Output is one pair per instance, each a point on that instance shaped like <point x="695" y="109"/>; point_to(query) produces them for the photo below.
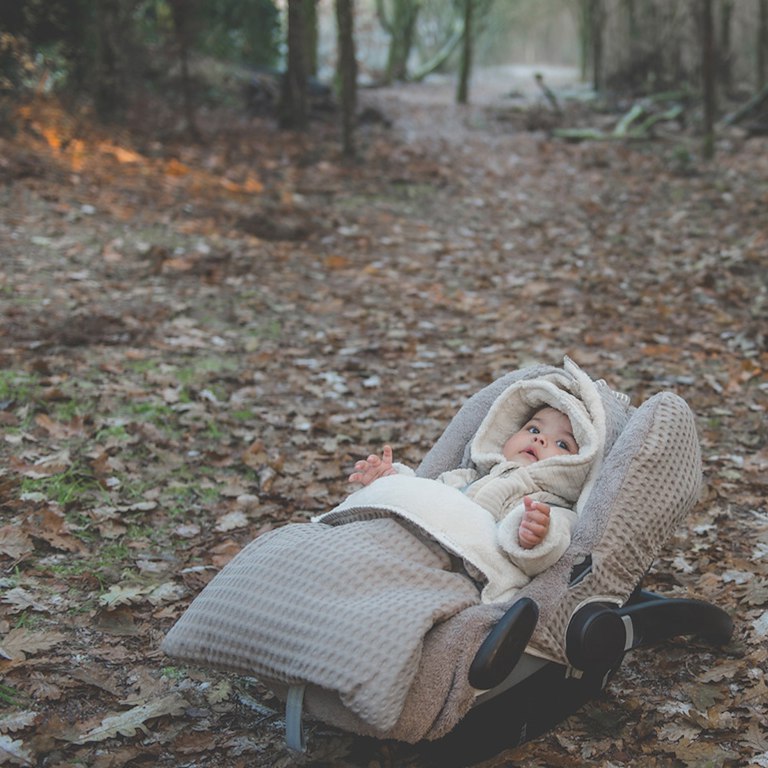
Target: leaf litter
<point x="218" y="346"/>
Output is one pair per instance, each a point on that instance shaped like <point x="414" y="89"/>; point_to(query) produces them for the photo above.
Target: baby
<point x="547" y="433"/>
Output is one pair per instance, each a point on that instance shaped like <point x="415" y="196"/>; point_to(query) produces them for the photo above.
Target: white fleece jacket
<point x="481" y="522"/>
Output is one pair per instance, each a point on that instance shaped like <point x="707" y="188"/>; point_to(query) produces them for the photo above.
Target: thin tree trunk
<point x="182" y="13"/>
<point x="597" y="17"/>
<point x="585" y="37"/>
<point x="762" y="44"/>
<point x="293" y="97"/>
<point x="708" y="65"/>
<point x="107" y="88"/>
<point x="347" y="73"/>
<point x="726" y="52"/>
<point x="462" y="93"/>
<point x="310" y="37"/>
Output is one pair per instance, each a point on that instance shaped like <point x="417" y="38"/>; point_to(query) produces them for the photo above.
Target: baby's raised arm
<point x="374" y="467"/>
<point x="535" y="523"/>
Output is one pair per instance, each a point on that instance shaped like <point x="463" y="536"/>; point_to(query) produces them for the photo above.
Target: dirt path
<point x="197" y="341"/>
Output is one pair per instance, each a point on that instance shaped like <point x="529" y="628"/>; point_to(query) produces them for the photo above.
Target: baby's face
<point x="548" y="433"/>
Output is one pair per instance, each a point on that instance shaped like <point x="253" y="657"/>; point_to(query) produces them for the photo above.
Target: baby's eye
<point x="563" y="446"/>
<point x="533" y="430"/>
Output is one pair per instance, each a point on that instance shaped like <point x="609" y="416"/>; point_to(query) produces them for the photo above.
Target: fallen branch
<point x="623" y="129"/>
<point x="752" y="106"/>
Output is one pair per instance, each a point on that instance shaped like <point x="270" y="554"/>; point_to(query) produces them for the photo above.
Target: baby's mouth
<point x="531" y="453"/>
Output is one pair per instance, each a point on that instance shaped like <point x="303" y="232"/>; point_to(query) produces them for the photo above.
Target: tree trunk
<point x="597" y="19"/>
<point x="762" y="45"/>
<point x="310" y="37"/>
<point x="465" y="68"/>
<point x="708" y="65"/>
<point x="724" y="47"/>
<point x="182" y="13"/>
<point x="108" y="90"/>
<point x="293" y="96"/>
<point x="401" y="29"/>
<point x="347" y="73"/>
<point x="585" y="37"/>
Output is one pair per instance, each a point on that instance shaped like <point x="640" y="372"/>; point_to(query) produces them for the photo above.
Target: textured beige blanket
<point x="310" y="603"/>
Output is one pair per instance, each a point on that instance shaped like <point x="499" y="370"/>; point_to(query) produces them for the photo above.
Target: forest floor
<point x="199" y="339"/>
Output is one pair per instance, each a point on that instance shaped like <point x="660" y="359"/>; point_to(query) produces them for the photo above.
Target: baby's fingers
<point x="527" y="537"/>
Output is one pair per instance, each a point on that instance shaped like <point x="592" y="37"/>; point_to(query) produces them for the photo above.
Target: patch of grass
<point x="135" y="489"/>
<point x="173" y="673"/>
<point x="136" y="532"/>
<point x="70" y="568"/>
<point x="184" y="497"/>
<point x="159" y="414"/>
<point x="214" y="431"/>
<point x="142" y="366"/>
<point x="109" y="556"/>
<point x="9" y="697"/>
<point x="17" y="387"/>
<point x="26" y="620"/>
<point x="64" y="488"/>
<point x="70" y="409"/>
<point x="115" y="431"/>
<point x="116" y="552"/>
<point x="271" y="330"/>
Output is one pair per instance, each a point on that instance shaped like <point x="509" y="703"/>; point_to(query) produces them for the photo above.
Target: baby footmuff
<point x="364" y="621"/>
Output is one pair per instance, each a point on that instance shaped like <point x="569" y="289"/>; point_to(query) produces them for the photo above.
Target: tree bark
<point x="183" y="19"/>
<point x="762" y="44"/>
<point x="724" y="47"/>
<point x="708" y="65"/>
<point x="401" y="29"/>
<point x="597" y="19"/>
<point x="585" y="42"/>
<point x="347" y="73"/>
<point x="293" y="96"/>
<point x="310" y="36"/>
<point x="465" y="68"/>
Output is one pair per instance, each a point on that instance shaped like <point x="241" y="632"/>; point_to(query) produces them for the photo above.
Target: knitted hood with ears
<point x="561" y="478"/>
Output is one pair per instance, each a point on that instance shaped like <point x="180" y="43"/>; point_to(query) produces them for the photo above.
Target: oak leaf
<point x="14" y="751"/>
<point x="20" y="643"/>
<point x="127" y="723"/>
<point x="14" y="542"/>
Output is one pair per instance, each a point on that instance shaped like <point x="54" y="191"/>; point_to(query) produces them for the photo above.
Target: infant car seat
<point x="363" y="624"/>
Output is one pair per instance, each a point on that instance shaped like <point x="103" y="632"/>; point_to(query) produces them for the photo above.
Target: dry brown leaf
<point x="127" y="723"/>
<point x="14" y="542"/>
<point x="22" y="642"/>
<point x="43" y="688"/>
<point x="17" y="721"/>
<point x="14" y="751"/>
<point x="50" y="525"/>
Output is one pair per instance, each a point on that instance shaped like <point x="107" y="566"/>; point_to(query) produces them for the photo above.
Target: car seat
<point x="485" y="676"/>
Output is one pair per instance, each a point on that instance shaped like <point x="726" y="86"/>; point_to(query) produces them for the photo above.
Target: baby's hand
<point x="374" y="467"/>
<point x="535" y="523"/>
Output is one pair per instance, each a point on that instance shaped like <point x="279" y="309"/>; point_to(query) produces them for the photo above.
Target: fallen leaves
<point x="127" y="723"/>
<point x="14" y="751"/>
<point x="224" y="333"/>
<point x="14" y="542"/>
<point x="21" y="643"/>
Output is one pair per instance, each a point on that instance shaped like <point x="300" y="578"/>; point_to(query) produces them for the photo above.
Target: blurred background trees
<point x="115" y="55"/>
